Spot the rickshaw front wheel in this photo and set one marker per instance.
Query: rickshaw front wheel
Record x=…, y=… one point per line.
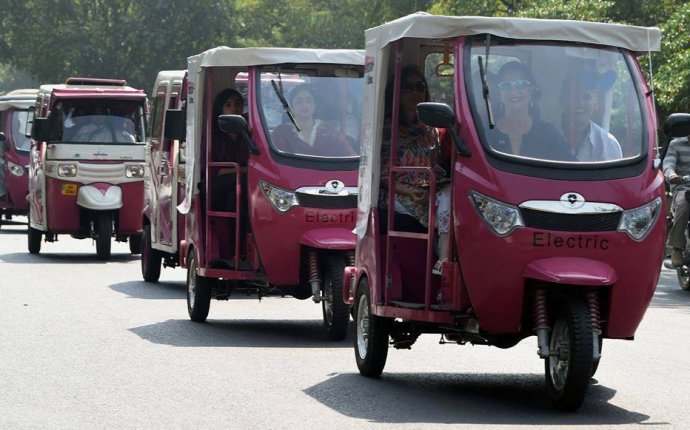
x=198, y=292
x=150, y=258
x=34, y=238
x=372, y=332
x=336, y=316
x=569, y=365
x=104, y=231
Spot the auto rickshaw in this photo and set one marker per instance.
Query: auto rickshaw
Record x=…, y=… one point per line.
x=86, y=175
x=164, y=180
x=286, y=225
x=550, y=238
x=14, y=152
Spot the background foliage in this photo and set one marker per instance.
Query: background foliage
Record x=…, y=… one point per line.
x=49, y=40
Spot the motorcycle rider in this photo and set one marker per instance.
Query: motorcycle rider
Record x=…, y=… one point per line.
x=676, y=170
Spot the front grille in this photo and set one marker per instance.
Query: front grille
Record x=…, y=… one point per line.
x=542, y=220
x=327, y=201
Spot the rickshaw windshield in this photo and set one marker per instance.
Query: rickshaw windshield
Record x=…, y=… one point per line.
x=19, y=139
x=553, y=102
x=312, y=112
x=97, y=121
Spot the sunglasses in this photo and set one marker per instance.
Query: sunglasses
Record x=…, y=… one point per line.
x=419, y=87
x=519, y=84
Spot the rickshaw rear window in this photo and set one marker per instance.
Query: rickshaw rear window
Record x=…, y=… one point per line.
x=19, y=139
x=554, y=102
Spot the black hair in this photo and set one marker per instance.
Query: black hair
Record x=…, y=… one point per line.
x=221, y=98
x=405, y=73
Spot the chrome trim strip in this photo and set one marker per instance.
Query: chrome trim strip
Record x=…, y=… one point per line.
x=323, y=191
x=556, y=206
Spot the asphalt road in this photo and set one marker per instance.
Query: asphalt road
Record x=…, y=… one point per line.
x=87, y=344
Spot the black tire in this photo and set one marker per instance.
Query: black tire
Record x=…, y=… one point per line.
x=104, y=232
x=336, y=315
x=198, y=292
x=371, y=335
x=569, y=367
x=595, y=361
x=150, y=258
x=135, y=243
x=684, y=277
x=34, y=239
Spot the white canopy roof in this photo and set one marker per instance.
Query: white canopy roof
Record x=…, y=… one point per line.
x=425, y=26
x=20, y=99
x=245, y=57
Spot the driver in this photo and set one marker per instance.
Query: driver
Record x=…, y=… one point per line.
x=676, y=166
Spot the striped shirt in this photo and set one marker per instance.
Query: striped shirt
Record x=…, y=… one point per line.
x=677, y=161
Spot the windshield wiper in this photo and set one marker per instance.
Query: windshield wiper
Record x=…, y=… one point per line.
x=284, y=102
x=485, y=85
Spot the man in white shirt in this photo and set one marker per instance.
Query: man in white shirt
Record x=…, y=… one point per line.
x=587, y=140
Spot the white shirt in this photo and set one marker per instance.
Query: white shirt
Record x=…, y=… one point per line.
x=599, y=145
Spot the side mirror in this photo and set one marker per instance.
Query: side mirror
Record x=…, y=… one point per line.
x=677, y=125
x=236, y=124
x=175, y=124
x=41, y=129
x=440, y=115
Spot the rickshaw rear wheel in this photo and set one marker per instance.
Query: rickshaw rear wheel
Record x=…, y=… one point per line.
x=684, y=277
x=336, y=316
x=135, y=243
x=372, y=332
x=34, y=239
x=198, y=292
x=569, y=366
x=104, y=231
x=150, y=258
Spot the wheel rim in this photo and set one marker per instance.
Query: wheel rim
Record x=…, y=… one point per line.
x=560, y=354
x=362, y=327
x=328, y=302
x=191, y=282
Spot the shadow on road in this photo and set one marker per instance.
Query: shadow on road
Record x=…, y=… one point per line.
x=64, y=258
x=241, y=334
x=492, y=399
x=152, y=291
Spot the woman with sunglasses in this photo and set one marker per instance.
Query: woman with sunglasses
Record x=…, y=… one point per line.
x=518, y=128
x=418, y=145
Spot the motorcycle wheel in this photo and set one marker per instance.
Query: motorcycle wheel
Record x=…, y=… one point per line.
x=569, y=366
x=104, y=231
x=372, y=332
x=150, y=258
x=198, y=292
x=336, y=316
x=135, y=243
x=684, y=277
x=34, y=239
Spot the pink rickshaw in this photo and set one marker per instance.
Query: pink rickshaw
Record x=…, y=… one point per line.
x=86, y=175
x=14, y=152
x=548, y=236
x=283, y=221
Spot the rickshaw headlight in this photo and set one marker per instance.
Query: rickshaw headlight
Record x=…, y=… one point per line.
x=281, y=199
x=134, y=171
x=67, y=170
x=639, y=221
x=501, y=217
x=15, y=169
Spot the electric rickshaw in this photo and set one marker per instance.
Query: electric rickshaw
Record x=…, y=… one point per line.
x=287, y=226
x=544, y=239
x=86, y=175
x=14, y=152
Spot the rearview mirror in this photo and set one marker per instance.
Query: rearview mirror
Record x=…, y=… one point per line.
x=440, y=115
x=41, y=129
x=677, y=125
x=236, y=124
x=175, y=124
